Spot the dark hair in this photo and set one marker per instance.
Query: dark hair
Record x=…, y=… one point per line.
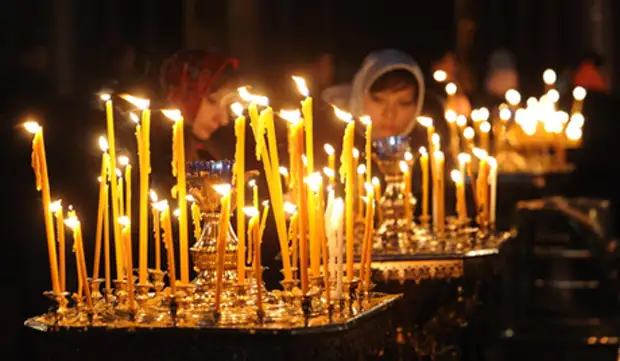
x=395, y=80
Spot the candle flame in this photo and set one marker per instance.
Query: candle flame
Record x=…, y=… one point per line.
x=469, y=133
x=464, y=158
x=408, y=156
x=366, y=120
x=314, y=181
x=579, y=93
x=172, y=114
x=161, y=205
x=222, y=189
x=177, y=213
x=356, y=153
x=425, y=121
x=153, y=196
x=435, y=140
x=369, y=188
x=329, y=149
x=440, y=76
x=484, y=113
x=451, y=88
x=103, y=144
x=119, y=174
x=105, y=97
x=375, y=181
x=237, y=109
x=253, y=98
x=291, y=116
x=485, y=127
x=549, y=77
x=456, y=176
x=438, y=155
x=342, y=115
x=304, y=159
x=461, y=120
x=574, y=133
x=140, y=103
x=265, y=203
x=124, y=221
x=72, y=221
x=450, y=116
x=423, y=151
x=505, y=114
x=56, y=206
x=329, y=173
x=492, y=162
x=513, y=97
x=251, y=211
x=289, y=208
x=553, y=95
x=301, y=86
x=190, y=198
x=480, y=153
x=252, y=183
x=134, y=117
x=123, y=160
x=32, y=127
x=404, y=167
x=283, y=171
x=577, y=120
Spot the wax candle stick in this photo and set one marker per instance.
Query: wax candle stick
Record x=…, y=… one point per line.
x=549, y=78
x=367, y=238
x=224, y=190
x=425, y=181
x=121, y=194
x=239, y=185
x=116, y=210
x=337, y=222
x=485, y=128
x=377, y=189
x=73, y=222
x=440, y=194
x=315, y=183
x=156, y=229
x=106, y=242
x=451, y=90
x=427, y=122
x=361, y=180
x=39, y=165
x=166, y=223
x=368, y=147
x=103, y=203
x=178, y=170
x=126, y=233
x=196, y=218
x=579, y=94
x=482, y=183
x=404, y=167
x=461, y=209
x=492, y=162
x=331, y=163
x=124, y=161
x=56, y=209
x=254, y=238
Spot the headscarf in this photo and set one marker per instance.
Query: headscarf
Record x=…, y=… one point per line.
x=190, y=74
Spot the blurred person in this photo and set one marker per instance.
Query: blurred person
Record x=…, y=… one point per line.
x=501, y=76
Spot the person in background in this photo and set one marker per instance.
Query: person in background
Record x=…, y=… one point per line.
x=501, y=76
x=202, y=85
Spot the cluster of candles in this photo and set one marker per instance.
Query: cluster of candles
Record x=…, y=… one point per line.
x=317, y=231
x=537, y=124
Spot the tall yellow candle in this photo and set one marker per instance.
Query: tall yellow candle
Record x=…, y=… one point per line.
x=348, y=170
x=56, y=208
x=376, y=183
x=427, y=122
x=485, y=128
x=314, y=184
x=156, y=230
x=368, y=148
x=404, y=167
x=331, y=163
x=106, y=241
x=306, y=111
x=224, y=190
x=39, y=165
x=166, y=223
x=116, y=212
x=239, y=173
x=196, y=220
x=254, y=238
x=579, y=94
x=361, y=172
x=73, y=222
x=126, y=232
x=121, y=194
x=100, y=219
x=143, y=130
x=482, y=183
x=440, y=183
x=425, y=180
x=461, y=210
x=368, y=234
x=178, y=170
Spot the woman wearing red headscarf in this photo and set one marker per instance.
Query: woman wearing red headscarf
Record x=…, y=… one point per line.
x=203, y=86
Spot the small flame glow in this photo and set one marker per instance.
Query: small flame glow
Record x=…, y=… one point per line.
x=329, y=173
x=408, y=156
x=140, y=103
x=329, y=149
x=32, y=127
x=134, y=118
x=456, y=176
x=342, y=115
x=251, y=211
x=173, y=114
x=464, y=158
x=480, y=153
x=440, y=76
x=105, y=97
x=451, y=88
x=289, y=208
x=404, y=167
x=485, y=127
x=366, y=120
x=549, y=77
x=161, y=205
x=237, y=109
x=153, y=196
x=124, y=221
x=56, y=206
x=302, y=87
x=579, y=93
x=361, y=169
x=425, y=121
x=450, y=116
x=461, y=120
x=222, y=189
x=513, y=97
x=72, y=222
x=375, y=181
x=103, y=144
x=423, y=151
x=469, y=133
x=248, y=97
x=123, y=160
x=291, y=116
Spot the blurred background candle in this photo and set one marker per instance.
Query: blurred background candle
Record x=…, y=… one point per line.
x=56, y=209
x=156, y=229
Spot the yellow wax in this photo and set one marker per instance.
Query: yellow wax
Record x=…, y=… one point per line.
x=369, y=153
x=460, y=199
x=106, y=241
x=293, y=227
x=331, y=164
x=101, y=209
x=116, y=213
x=323, y=238
x=157, y=237
x=258, y=266
x=167, y=228
x=315, y=250
x=440, y=194
x=121, y=197
x=60, y=226
x=126, y=232
x=143, y=136
x=371, y=226
x=306, y=110
x=360, y=192
x=302, y=210
x=377, y=190
x=128, y=194
x=425, y=190
x=196, y=220
x=81, y=263
x=483, y=188
x=181, y=186
x=350, y=169
x=408, y=208
x=276, y=191
x=240, y=190
x=39, y=164
x=430, y=130
x=315, y=240
x=367, y=240
x=221, y=248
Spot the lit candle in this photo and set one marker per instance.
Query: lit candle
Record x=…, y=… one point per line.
x=440, y=194
x=196, y=218
x=314, y=183
x=156, y=230
x=549, y=78
x=404, y=167
x=143, y=135
x=425, y=181
x=306, y=111
x=73, y=222
x=482, y=183
x=440, y=76
x=427, y=122
x=178, y=170
x=106, y=242
x=39, y=165
x=451, y=89
x=361, y=171
x=124, y=161
x=348, y=170
x=284, y=174
x=121, y=198
x=166, y=223
x=493, y=186
x=254, y=236
x=376, y=183
x=126, y=233
x=579, y=94
x=468, y=134
x=461, y=210
x=485, y=128
x=368, y=123
x=56, y=209
x=337, y=223
x=116, y=212
x=513, y=98
x=102, y=205
x=331, y=163
x=239, y=173
x=368, y=234
x=224, y=190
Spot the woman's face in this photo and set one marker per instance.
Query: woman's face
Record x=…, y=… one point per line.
x=213, y=112
x=391, y=111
